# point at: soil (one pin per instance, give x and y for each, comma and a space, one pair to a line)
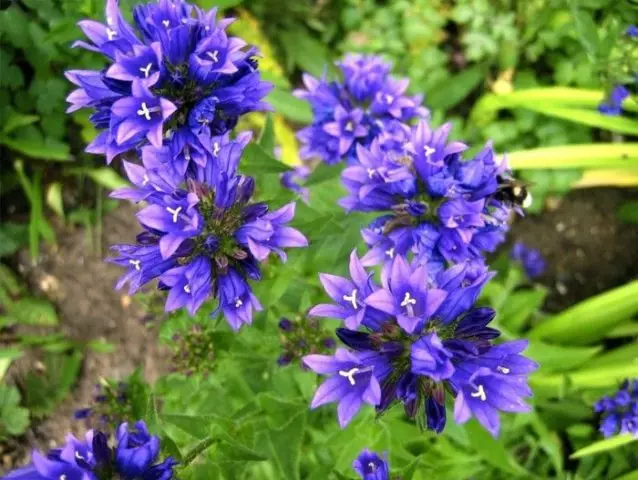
588, 250
80, 284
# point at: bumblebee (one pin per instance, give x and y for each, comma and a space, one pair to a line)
513, 191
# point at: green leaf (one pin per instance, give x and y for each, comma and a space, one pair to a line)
47, 149
256, 160
14, 419
12, 237
289, 106
590, 320
596, 377
628, 212
285, 446
105, 176
604, 445
520, 306
492, 450
101, 346
198, 426
556, 358
453, 90
267, 137
586, 29
590, 118
33, 311
54, 198
308, 54
14, 120
599, 155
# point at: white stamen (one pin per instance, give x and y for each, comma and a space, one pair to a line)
145, 179
109, 20
428, 150
372, 467
480, 393
207, 28
136, 263
214, 55
187, 288
371, 172
166, 23
389, 98
144, 111
238, 303
503, 370
174, 212
408, 300
352, 298
390, 253
111, 34
146, 70
216, 149
184, 21
349, 127
528, 201
78, 456
349, 374
187, 153
62, 477
377, 230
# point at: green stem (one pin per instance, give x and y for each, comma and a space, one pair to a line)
196, 450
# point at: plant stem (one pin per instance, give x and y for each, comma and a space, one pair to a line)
196, 450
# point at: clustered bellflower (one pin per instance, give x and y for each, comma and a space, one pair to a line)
412, 339
530, 258
133, 458
174, 79
174, 88
619, 413
371, 466
204, 236
368, 103
434, 204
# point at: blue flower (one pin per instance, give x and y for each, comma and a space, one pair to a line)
531, 259
619, 413
87, 459
431, 339
632, 31
370, 466
236, 299
613, 105
354, 380
175, 71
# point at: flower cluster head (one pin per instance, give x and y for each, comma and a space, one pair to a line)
370, 466
619, 413
412, 339
531, 259
444, 209
302, 337
174, 78
366, 103
194, 351
133, 458
112, 405
203, 235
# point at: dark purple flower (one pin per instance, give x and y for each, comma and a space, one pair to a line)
531, 259
632, 31
189, 285
346, 127
370, 466
136, 451
619, 414
236, 300
291, 178
613, 105
429, 357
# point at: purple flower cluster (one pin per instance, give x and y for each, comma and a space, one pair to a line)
134, 458
619, 413
531, 259
421, 336
442, 208
204, 236
368, 103
370, 466
175, 79
612, 106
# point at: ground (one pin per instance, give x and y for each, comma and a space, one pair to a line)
587, 248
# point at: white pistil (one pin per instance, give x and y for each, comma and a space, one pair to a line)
389, 98
503, 370
352, 298
146, 70
78, 456
390, 252
174, 212
145, 179
349, 374
372, 467
187, 153
428, 150
238, 303
187, 288
216, 149
144, 111
111, 34
214, 55
166, 23
349, 127
136, 263
480, 393
371, 172
62, 477
408, 302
